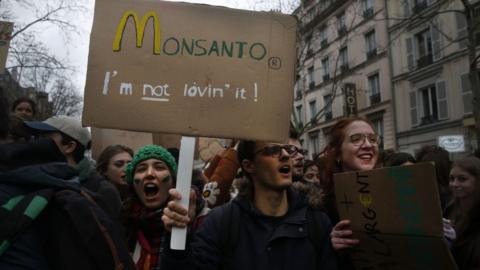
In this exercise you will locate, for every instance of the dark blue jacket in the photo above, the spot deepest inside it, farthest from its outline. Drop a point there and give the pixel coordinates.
(264, 242)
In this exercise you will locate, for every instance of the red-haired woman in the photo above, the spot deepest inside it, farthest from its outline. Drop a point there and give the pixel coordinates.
(353, 146)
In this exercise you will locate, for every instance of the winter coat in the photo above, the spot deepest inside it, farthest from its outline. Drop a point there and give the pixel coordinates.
(27, 252)
(264, 242)
(467, 251)
(93, 181)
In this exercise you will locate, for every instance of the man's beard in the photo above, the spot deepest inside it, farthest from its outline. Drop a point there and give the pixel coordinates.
(297, 177)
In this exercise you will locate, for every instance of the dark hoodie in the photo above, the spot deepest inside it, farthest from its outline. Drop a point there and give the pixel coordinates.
(265, 242)
(43, 151)
(26, 168)
(27, 251)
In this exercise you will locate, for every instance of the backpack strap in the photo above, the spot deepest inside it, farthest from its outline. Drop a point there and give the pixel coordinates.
(229, 231)
(18, 213)
(315, 233)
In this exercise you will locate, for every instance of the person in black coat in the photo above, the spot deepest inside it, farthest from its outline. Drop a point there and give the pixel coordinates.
(271, 221)
(464, 212)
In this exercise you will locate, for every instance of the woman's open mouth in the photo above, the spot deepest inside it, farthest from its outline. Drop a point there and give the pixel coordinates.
(150, 189)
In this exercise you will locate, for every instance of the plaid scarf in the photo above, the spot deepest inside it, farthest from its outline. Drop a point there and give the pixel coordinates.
(148, 233)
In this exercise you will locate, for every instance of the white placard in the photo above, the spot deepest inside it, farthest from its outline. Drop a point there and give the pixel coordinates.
(184, 180)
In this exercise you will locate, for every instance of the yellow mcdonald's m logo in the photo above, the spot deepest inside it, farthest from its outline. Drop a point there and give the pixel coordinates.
(140, 30)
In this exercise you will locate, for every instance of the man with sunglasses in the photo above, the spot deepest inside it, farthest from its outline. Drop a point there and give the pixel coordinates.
(267, 226)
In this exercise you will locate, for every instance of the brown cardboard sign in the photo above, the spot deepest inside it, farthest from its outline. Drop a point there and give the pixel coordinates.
(190, 69)
(396, 215)
(6, 29)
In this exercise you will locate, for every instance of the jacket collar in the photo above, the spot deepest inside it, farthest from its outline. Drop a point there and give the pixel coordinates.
(297, 207)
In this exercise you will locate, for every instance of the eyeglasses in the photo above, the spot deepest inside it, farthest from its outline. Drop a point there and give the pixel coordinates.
(276, 150)
(300, 151)
(359, 138)
(303, 152)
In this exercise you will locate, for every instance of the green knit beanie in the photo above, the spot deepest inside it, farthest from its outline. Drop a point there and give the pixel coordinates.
(148, 152)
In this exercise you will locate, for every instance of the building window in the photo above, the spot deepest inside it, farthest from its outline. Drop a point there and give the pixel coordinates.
(461, 29)
(311, 78)
(367, 8)
(299, 114)
(378, 127)
(432, 104)
(467, 94)
(374, 89)
(324, 4)
(309, 45)
(341, 24)
(326, 69)
(419, 5)
(343, 59)
(327, 103)
(313, 109)
(314, 144)
(423, 48)
(322, 33)
(370, 44)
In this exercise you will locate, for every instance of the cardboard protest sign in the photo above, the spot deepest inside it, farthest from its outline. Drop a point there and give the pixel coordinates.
(190, 69)
(396, 215)
(6, 29)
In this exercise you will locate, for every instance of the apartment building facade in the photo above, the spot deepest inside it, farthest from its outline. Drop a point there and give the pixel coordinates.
(431, 92)
(343, 69)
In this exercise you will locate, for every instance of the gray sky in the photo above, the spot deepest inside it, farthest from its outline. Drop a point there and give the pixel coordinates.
(75, 48)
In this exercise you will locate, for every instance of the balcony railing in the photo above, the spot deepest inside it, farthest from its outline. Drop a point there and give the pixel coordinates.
(323, 43)
(425, 61)
(298, 94)
(429, 119)
(311, 85)
(344, 68)
(342, 31)
(326, 77)
(309, 53)
(375, 98)
(371, 54)
(328, 116)
(368, 13)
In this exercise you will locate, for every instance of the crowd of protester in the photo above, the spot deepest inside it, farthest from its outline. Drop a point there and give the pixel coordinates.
(255, 205)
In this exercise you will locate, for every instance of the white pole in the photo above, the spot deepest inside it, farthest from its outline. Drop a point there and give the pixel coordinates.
(184, 180)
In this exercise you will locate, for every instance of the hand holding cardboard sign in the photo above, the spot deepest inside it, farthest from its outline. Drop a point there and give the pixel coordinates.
(448, 230)
(341, 236)
(176, 215)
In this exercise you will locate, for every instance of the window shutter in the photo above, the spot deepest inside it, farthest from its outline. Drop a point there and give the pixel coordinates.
(442, 100)
(436, 41)
(410, 55)
(467, 94)
(462, 29)
(413, 108)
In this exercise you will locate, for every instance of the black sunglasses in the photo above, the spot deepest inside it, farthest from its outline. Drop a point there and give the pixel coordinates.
(276, 150)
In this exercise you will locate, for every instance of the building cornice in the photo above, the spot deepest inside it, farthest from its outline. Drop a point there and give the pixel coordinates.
(430, 69)
(430, 128)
